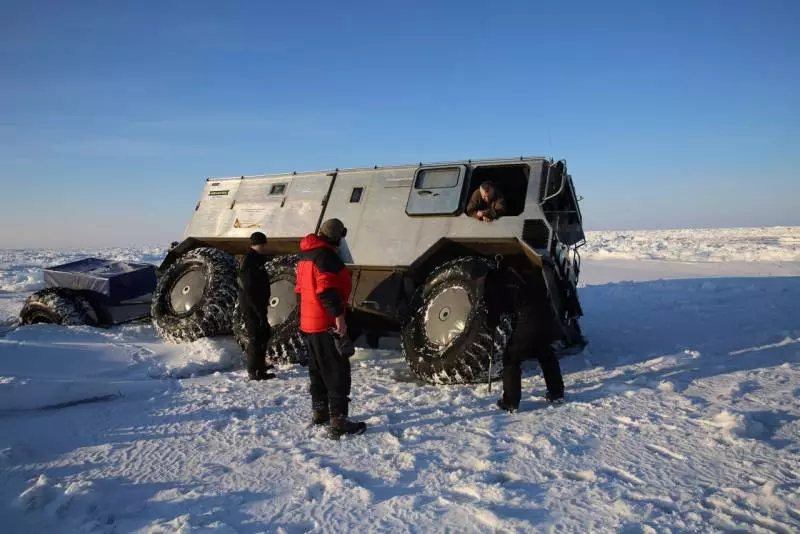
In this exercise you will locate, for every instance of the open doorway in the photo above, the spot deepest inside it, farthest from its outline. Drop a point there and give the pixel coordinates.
(511, 180)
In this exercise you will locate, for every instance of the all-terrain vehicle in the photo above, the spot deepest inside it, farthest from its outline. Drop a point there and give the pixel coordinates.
(421, 267)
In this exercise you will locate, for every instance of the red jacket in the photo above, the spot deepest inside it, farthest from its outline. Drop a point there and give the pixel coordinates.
(324, 284)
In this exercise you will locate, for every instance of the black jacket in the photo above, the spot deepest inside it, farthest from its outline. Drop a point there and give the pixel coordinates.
(494, 209)
(254, 291)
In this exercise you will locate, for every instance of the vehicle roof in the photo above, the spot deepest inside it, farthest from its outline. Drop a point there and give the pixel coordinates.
(377, 167)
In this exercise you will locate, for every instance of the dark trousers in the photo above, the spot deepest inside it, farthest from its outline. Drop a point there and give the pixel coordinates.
(256, 353)
(512, 374)
(329, 373)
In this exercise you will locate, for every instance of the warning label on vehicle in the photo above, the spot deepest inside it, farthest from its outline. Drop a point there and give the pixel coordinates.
(249, 218)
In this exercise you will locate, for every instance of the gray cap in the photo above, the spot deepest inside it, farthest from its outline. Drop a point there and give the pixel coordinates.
(333, 230)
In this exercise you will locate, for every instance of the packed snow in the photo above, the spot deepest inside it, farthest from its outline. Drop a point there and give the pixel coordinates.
(683, 414)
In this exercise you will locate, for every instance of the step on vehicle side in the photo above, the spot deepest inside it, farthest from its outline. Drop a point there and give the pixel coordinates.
(454, 288)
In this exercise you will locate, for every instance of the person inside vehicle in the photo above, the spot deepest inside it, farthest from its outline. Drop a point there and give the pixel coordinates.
(487, 203)
(324, 284)
(254, 295)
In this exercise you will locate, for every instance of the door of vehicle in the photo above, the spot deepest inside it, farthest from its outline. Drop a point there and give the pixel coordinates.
(437, 190)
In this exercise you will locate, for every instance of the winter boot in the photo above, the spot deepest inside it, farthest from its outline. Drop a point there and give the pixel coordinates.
(320, 414)
(554, 398)
(261, 374)
(503, 405)
(340, 425)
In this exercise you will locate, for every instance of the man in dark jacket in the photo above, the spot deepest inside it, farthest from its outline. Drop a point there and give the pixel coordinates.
(533, 333)
(324, 285)
(487, 203)
(254, 295)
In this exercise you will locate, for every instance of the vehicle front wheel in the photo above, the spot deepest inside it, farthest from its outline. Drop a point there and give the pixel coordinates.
(195, 296)
(455, 336)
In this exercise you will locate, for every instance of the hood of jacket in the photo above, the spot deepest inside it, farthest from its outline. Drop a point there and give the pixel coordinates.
(313, 241)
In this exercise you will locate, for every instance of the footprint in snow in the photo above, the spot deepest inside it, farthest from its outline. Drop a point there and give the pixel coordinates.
(238, 413)
(744, 388)
(219, 425)
(213, 469)
(315, 492)
(501, 477)
(254, 455)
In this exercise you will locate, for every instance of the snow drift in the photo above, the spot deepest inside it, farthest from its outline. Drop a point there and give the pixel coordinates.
(697, 245)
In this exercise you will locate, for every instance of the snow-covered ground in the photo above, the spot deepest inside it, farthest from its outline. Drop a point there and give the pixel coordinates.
(683, 415)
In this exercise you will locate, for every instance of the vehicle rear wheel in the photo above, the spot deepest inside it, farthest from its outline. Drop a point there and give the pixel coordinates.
(455, 336)
(286, 345)
(56, 305)
(196, 295)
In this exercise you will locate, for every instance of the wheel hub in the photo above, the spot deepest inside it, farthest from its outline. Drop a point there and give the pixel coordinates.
(282, 302)
(188, 290)
(447, 315)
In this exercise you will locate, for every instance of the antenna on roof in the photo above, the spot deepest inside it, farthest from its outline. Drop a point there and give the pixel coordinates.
(550, 142)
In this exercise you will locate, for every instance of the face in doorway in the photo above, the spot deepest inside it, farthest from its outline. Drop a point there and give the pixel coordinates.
(487, 193)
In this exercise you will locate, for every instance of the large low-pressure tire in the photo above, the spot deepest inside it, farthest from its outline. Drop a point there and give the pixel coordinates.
(195, 296)
(60, 306)
(286, 345)
(454, 336)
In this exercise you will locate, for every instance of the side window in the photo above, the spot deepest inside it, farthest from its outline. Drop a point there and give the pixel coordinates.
(437, 191)
(277, 189)
(437, 178)
(356, 195)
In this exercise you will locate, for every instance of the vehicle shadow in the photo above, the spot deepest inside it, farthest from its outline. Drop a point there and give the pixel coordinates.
(634, 322)
(673, 334)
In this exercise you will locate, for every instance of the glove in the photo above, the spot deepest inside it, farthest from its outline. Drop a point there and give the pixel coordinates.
(344, 345)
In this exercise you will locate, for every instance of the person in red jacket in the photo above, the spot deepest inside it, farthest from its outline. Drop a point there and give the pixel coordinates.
(324, 285)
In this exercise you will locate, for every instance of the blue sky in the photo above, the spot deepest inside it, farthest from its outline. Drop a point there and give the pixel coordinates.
(670, 114)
